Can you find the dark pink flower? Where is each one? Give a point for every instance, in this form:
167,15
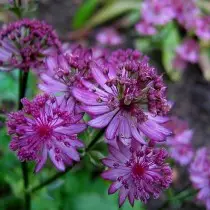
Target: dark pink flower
157,12
145,28
203,27
25,43
45,127
109,36
187,12
179,143
189,50
199,175
179,63
63,71
126,97
138,172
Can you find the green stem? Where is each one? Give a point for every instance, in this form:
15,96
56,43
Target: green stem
23,78
60,174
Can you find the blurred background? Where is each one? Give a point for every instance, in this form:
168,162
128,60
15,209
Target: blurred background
109,24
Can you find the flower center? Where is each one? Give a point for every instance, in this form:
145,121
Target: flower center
126,107
138,170
44,131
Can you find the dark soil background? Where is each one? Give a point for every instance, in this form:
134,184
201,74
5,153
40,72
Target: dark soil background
191,95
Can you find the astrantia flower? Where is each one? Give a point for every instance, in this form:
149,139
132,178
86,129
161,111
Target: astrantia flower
199,175
186,12
145,28
203,27
122,95
179,143
179,63
189,50
157,12
138,172
63,72
109,36
45,127
25,43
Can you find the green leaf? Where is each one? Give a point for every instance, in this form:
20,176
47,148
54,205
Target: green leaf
170,41
204,62
111,11
143,45
84,13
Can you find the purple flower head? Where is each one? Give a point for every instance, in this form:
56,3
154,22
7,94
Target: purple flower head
63,71
189,50
157,12
145,28
186,12
126,98
138,172
109,36
199,175
25,43
203,27
179,143
179,63
45,127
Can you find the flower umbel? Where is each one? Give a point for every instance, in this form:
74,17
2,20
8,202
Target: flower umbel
179,142
126,97
25,43
138,172
45,127
200,174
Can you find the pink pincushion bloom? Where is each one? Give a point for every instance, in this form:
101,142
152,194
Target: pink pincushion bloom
24,44
157,12
189,50
109,36
63,72
199,175
45,127
186,12
145,28
203,27
179,143
179,63
122,95
138,172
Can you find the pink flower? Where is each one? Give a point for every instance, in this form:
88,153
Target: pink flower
63,72
157,12
203,27
145,28
45,127
25,43
199,175
179,63
121,96
189,50
138,172
109,36
179,143
186,12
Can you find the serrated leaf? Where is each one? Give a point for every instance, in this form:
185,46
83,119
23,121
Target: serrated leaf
111,11
84,13
169,43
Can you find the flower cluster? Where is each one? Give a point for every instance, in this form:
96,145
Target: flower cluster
138,172
199,175
179,143
126,97
45,127
190,17
25,43
121,92
109,36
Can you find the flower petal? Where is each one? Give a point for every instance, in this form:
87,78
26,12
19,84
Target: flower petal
103,120
95,110
112,127
42,160
72,129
